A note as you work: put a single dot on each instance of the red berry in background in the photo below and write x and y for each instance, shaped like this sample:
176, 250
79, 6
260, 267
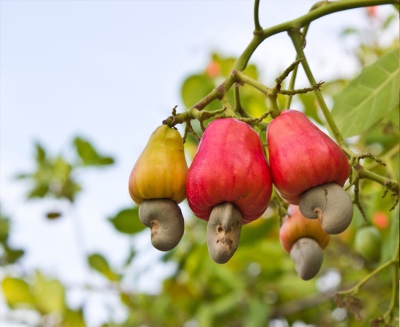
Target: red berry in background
381, 220
228, 183
309, 169
213, 69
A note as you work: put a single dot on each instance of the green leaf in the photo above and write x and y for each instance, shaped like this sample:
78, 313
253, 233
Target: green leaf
258, 313
40, 153
196, 87
89, 155
389, 246
12, 255
101, 265
127, 221
49, 295
73, 318
310, 106
16, 292
4, 228
369, 97
38, 191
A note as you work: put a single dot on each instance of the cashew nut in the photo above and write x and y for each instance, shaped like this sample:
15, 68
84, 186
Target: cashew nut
223, 231
307, 256
331, 204
164, 218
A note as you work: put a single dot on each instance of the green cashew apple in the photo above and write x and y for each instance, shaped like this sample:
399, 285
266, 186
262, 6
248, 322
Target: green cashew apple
309, 169
368, 243
228, 184
157, 183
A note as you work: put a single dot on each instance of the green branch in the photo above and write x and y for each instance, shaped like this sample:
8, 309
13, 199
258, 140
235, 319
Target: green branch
257, 26
321, 9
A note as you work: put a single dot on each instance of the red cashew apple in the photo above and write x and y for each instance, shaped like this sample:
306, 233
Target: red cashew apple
304, 239
309, 169
228, 184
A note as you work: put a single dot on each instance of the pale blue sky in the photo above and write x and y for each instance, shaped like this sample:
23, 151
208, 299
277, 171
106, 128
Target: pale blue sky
111, 71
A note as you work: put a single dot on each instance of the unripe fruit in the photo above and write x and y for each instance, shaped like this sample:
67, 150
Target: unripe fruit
230, 166
368, 243
304, 159
304, 239
157, 183
160, 171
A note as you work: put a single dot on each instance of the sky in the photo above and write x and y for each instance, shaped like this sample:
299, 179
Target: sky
111, 71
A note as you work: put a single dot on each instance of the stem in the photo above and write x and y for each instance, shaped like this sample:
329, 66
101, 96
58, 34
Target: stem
329, 8
296, 37
257, 26
294, 73
242, 78
390, 184
357, 287
393, 261
238, 106
259, 37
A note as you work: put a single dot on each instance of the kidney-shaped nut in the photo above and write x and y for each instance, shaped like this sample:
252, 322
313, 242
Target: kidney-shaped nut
165, 220
223, 231
307, 256
331, 204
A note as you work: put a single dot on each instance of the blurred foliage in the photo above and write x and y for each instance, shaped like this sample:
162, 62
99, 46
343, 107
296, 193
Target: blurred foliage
258, 286
56, 177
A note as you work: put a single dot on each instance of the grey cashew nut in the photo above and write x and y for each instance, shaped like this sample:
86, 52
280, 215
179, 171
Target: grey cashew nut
223, 231
331, 204
165, 220
307, 256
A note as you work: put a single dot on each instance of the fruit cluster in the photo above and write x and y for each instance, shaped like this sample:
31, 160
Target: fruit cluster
230, 182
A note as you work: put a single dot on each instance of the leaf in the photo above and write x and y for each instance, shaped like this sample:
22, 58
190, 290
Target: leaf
73, 318
369, 97
40, 153
310, 106
49, 294
101, 265
16, 292
4, 228
389, 247
12, 255
127, 221
196, 87
350, 30
52, 215
89, 155
258, 313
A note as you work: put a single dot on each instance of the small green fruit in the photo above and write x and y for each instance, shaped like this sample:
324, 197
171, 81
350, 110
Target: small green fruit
368, 243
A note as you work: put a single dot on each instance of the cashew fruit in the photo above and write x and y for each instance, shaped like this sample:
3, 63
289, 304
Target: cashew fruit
160, 171
157, 183
304, 239
230, 166
296, 226
368, 242
228, 184
301, 156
